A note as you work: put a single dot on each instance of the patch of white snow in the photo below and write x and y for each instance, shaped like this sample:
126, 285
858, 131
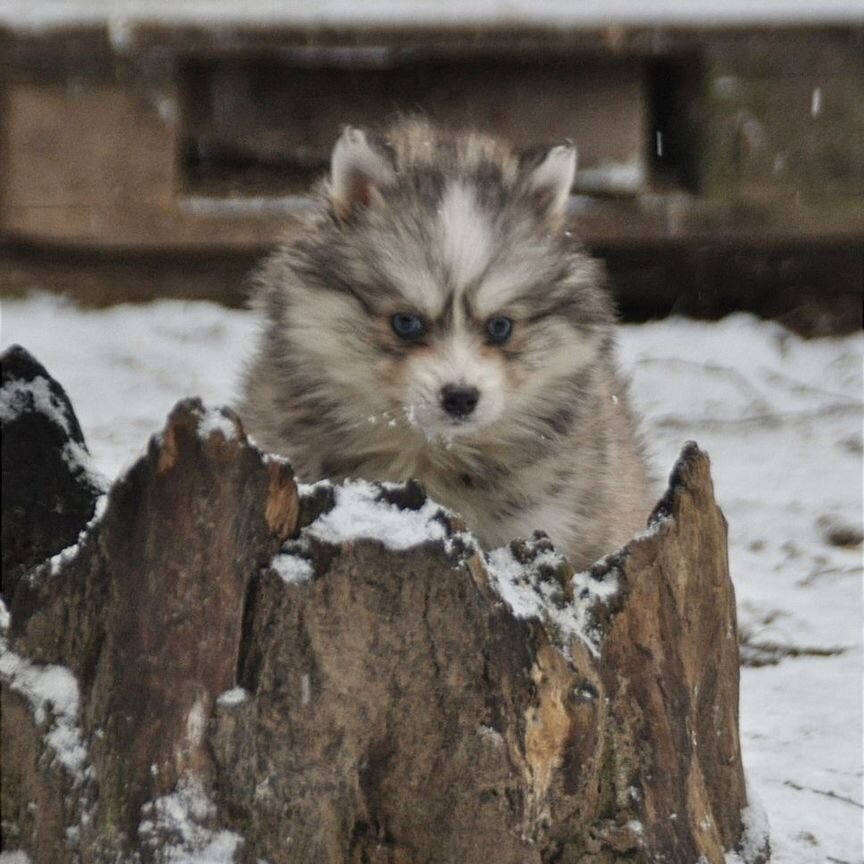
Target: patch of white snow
52, 692
292, 569
359, 514
756, 831
23, 397
531, 595
215, 420
16, 856
233, 697
177, 825
64, 556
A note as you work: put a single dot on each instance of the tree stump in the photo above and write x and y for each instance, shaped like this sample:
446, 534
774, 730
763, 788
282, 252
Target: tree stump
228, 668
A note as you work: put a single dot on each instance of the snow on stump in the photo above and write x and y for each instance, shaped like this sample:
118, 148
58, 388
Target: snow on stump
227, 668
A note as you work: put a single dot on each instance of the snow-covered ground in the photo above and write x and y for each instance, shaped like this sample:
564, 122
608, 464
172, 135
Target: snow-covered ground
782, 420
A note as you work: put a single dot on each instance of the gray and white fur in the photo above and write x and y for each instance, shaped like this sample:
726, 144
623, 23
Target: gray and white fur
456, 232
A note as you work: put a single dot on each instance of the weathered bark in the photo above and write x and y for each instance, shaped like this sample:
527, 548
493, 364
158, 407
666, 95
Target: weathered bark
394, 708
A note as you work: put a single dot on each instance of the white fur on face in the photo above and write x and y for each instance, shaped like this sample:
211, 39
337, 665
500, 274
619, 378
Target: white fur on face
501, 285
465, 248
466, 238
406, 266
456, 361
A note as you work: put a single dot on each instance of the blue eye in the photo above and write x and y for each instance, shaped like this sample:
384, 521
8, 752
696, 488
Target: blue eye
407, 326
499, 329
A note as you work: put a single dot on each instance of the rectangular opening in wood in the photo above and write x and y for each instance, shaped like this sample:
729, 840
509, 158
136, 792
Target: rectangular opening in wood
673, 145
266, 126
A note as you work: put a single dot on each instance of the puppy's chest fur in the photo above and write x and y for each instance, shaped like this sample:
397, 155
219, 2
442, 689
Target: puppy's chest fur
498, 501
587, 488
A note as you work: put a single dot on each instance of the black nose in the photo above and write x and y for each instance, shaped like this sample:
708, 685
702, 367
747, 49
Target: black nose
459, 401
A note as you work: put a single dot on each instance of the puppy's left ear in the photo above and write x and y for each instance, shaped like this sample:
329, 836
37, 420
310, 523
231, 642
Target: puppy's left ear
360, 167
548, 176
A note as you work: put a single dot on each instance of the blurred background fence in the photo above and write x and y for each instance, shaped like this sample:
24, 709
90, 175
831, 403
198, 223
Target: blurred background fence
150, 149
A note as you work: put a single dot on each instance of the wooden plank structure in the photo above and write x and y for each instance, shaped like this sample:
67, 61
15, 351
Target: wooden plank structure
187, 143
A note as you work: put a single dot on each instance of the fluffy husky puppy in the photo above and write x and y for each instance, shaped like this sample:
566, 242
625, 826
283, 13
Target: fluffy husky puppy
431, 318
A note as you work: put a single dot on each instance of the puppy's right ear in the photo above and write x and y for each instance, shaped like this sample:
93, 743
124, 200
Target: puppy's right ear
359, 169
548, 175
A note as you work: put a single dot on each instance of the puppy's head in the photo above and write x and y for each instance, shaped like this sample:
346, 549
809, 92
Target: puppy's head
436, 286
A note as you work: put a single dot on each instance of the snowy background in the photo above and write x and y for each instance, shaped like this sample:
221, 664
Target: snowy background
782, 420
